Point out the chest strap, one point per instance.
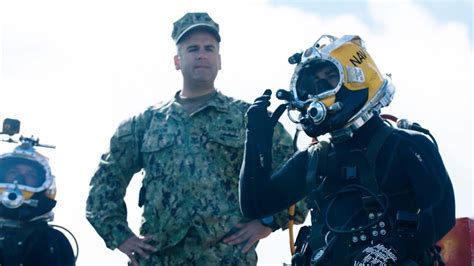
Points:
(317, 169)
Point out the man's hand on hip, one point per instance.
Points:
(137, 247)
(248, 233)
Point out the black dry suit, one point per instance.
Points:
(34, 244)
(384, 185)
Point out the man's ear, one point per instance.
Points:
(220, 62)
(177, 62)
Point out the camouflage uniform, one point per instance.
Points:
(190, 188)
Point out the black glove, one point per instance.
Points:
(256, 166)
(376, 254)
(260, 124)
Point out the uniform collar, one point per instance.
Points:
(219, 102)
(173, 108)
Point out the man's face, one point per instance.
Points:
(198, 58)
(317, 79)
(23, 174)
(328, 73)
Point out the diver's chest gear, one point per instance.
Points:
(348, 209)
(15, 239)
(35, 243)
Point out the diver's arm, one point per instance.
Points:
(262, 194)
(287, 185)
(251, 168)
(433, 193)
(282, 150)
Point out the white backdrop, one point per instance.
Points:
(71, 71)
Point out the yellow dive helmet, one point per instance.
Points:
(27, 187)
(337, 87)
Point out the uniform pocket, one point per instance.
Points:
(157, 140)
(160, 135)
(157, 147)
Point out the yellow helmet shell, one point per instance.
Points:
(356, 68)
(360, 71)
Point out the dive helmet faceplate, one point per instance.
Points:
(337, 87)
(27, 187)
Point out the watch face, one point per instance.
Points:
(267, 220)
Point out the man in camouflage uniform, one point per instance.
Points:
(191, 150)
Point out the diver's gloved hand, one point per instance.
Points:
(260, 123)
(376, 254)
(256, 166)
(260, 127)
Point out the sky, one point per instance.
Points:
(71, 71)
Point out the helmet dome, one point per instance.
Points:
(27, 187)
(338, 86)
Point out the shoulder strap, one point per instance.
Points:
(317, 166)
(317, 162)
(370, 181)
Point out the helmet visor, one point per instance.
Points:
(318, 80)
(22, 172)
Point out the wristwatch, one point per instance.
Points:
(268, 221)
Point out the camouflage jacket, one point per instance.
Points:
(191, 164)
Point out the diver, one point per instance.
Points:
(27, 197)
(379, 195)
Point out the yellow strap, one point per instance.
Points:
(291, 213)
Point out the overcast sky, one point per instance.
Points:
(71, 71)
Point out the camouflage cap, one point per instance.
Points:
(192, 21)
